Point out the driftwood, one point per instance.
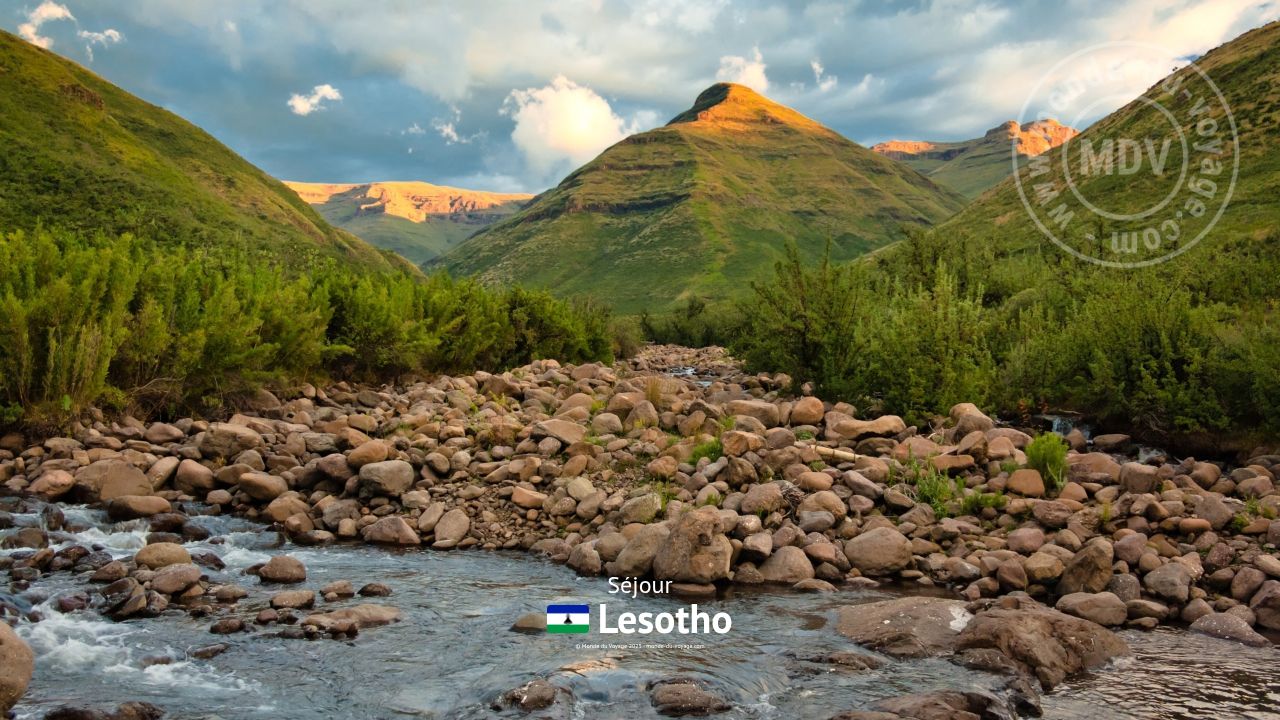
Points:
(830, 453)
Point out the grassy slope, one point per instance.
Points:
(80, 153)
(418, 242)
(703, 205)
(974, 167)
(1247, 70)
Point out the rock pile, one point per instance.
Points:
(695, 478)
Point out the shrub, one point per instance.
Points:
(711, 449)
(1047, 453)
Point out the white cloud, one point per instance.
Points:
(448, 128)
(47, 11)
(737, 69)
(691, 17)
(104, 38)
(825, 82)
(564, 124)
(414, 129)
(307, 104)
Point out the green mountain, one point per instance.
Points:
(971, 167)
(82, 154)
(703, 205)
(417, 220)
(1247, 72)
(1178, 333)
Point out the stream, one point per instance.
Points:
(453, 652)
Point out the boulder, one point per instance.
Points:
(682, 696)
(107, 479)
(1044, 643)
(452, 527)
(1089, 571)
(883, 426)
(391, 530)
(1229, 626)
(762, 498)
(1138, 478)
(173, 579)
(131, 507)
(909, 627)
(389, 477)
(526, 498)
(879, 551)
(52, 484)
(788, 565)
(16, 665)
(1026, 482)
(362, 616)
(807, 411)
(293, 600)
(695, 550)
(1103, 608)
(224, 440)
(764, 411)
(941, 705)
(636, 558)
(262, 487)
(1171, 581)
(283, 569)
(641, 509)
(193, 479)
(159, 555)
(563, 430)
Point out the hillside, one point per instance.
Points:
(970, 167)
(82, 154)
(1177, 337)
(417, 220)
(702, 206)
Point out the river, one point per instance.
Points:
(453, 652)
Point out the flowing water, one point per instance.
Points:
(453, 654)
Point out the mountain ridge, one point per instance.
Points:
(972, 166)
(85, 155)
(702, 205)
(415, 219)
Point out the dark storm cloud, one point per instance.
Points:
(427, 88)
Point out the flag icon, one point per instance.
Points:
(568, 618)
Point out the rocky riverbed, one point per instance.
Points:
(676, 467)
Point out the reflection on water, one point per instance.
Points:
(453, 653)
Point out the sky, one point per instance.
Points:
(511, 95)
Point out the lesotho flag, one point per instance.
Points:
(568, 618)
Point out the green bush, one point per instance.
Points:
(1047, 453)
(711, 449)
(128, 322)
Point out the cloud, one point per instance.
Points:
(47, 11)
(448, 128)
(106, 37)
(307, 104)
(564, 125)
(414, 129)
(825, 82)
(737, 69)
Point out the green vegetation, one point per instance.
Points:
(701, 206)
(82, 154)
(122, 321)
(1047, 453)
(974, 503)
(970, 167)
(711, 449)
(983, 309)
(930, 485)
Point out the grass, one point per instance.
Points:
(711, 449)
(690, 209)
(974, 503)
(930, 485)
(1047, 453)
(82, 154)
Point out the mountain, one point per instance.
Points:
(83, 154)
(1247, 73)
(1177, 335)
(971, 167)
(701, 206)
(415, 219)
